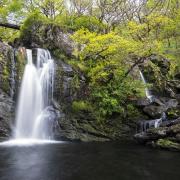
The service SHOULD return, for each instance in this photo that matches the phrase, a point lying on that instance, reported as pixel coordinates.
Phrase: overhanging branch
(11, 26)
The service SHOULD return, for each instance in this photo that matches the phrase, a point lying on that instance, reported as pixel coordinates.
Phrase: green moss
(173, 113)
(5, 59)
(20, 64)
(1, 57)
(59, 54)
(75, 23)
(81, 106)
(167, 144)
(33, 18)
(5, 79)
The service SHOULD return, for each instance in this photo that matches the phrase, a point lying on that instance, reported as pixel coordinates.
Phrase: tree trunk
(8, 25)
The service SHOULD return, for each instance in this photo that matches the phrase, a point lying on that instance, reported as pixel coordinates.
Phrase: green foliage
(33, 18)
(159, 79)
(75, 82)
(67, 23)
(32, 22)
(104, 58)
(81, 106)
(10, 10)
(103, 45)
(74, 23)
(8, 35)
(9, 7)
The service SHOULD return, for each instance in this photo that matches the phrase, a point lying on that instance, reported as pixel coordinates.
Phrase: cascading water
(33, 119)
(148, 93)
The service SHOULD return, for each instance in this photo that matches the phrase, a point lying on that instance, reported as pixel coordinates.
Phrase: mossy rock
(36, 33)
(167, 144)
(159, 132)
(173, 113)
(6, 53)
(175, 129)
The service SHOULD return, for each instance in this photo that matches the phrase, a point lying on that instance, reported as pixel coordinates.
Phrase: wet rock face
(6, 53)
(6, 85)
(12, 62)
(11, 69)
(6, 115)
(63, 82)
(68, 84)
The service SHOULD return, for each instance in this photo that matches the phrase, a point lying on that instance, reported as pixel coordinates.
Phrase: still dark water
(88, 161)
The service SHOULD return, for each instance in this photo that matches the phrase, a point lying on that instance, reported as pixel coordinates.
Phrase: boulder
(154, 111)
(49, 37)
(143, 102)
(169, 103)
(167, 144)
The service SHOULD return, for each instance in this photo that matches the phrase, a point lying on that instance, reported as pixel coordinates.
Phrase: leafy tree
(103, 59)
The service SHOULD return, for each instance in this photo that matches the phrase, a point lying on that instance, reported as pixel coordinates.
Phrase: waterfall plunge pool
(28, 142)
(88, 161)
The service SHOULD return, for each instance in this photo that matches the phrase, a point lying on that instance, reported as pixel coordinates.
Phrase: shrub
(81, 106)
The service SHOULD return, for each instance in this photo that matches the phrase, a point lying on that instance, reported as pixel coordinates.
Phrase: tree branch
(8, 25)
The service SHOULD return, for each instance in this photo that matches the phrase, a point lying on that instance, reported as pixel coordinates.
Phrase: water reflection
(89, 161)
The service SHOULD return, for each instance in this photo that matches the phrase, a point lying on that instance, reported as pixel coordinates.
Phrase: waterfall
(148, 93)
(145, 125)
(33, 117)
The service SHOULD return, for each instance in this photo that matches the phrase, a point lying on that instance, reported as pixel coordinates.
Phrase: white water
(148, 93)
(33, 119)
(28, 142)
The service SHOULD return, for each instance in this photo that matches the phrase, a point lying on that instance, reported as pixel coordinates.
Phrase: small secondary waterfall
(33, 118)
(148, 93)
(145, 125)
